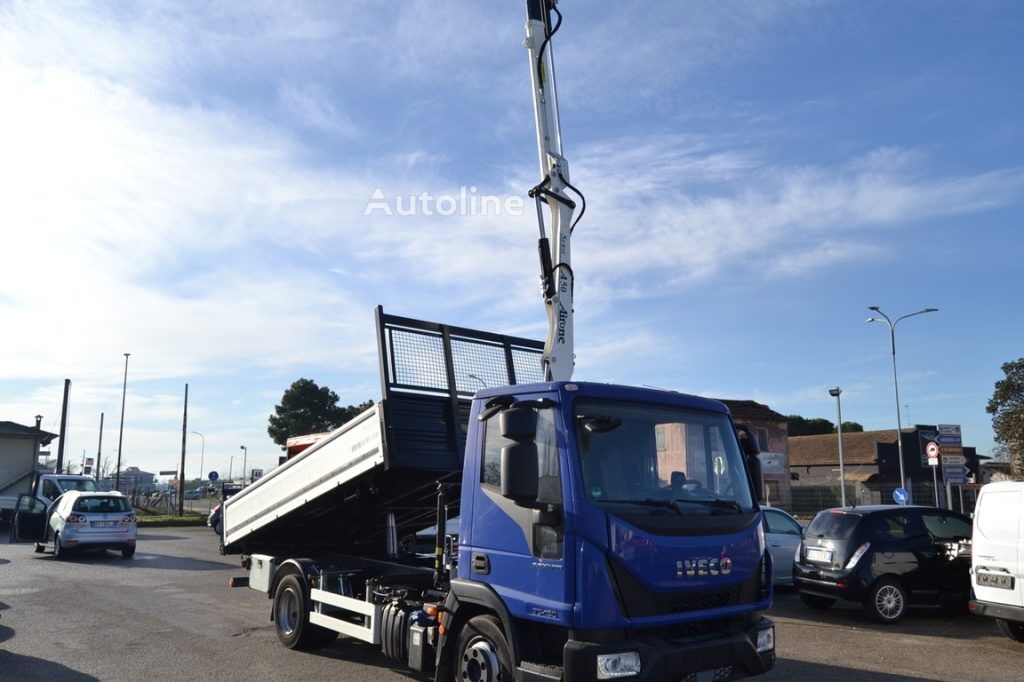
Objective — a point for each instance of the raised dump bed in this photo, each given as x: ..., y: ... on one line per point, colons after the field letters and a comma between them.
x: 338, y: 494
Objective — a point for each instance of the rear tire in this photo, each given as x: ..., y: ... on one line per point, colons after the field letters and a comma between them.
x: 816, y: 602
x: 128, y: 551
x: 1011, y: 629
x: 482, y: 654
x: 291, y: 617
x: 58, y: 549
x: 886, y: 602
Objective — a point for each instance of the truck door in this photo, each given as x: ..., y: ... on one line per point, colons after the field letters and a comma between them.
x: 520, y: 551
x: 996, y: 547
x: 29, y: 523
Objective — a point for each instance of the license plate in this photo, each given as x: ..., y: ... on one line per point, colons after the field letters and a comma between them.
x: 102, y: 524
x: 1000, y: 580
x: 819, y: 554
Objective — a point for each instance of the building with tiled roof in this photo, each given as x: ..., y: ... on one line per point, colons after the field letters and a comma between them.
x: 19, y: 455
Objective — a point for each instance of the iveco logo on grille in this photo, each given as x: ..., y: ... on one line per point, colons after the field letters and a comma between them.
x: 704, y: 566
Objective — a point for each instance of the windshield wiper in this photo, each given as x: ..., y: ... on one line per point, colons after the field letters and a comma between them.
x: 649, y: 502
x: 716, y: 503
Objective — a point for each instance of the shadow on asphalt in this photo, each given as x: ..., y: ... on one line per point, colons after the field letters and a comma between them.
x: 140, y: 560
x: 16, y: 667
x: 5, y: 634
x: 4, y: 561
x: 803, y: 670
x: 353, y: 651
x: 156, y: 538
x: 954, y: 623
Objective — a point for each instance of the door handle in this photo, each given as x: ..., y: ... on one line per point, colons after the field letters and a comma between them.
x: 776, y: 544
x: 481, y: 563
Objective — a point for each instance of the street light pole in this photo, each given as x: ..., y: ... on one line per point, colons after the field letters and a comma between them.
x: 202, y: 454
x: 895, y: 382
x: 835, y: 393
x: 120, y: 433
x: 245, y: 457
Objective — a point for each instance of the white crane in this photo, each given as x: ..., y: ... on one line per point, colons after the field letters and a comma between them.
x: 556, y: 269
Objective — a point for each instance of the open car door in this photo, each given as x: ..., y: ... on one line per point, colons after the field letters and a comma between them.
x: 29, y: 523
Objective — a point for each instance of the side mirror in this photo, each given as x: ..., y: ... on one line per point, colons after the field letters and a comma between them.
x: 518, y: 424
x: 520, y: 472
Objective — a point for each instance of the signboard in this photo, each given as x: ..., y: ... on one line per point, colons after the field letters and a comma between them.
x: 172, y: 472
x: 900, y: 496
x: 255, y: 474
x: 953, y: 461
x: 952, y: 450
x: 954, y: 471
x: 214, y: 476
x: 949, y: 430
x: 961, y: 480
x: 932, y: 450
x: 946, y: 439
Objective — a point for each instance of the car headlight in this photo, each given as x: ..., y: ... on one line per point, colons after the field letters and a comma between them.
x: 612, y: 666
x: 765, y: 640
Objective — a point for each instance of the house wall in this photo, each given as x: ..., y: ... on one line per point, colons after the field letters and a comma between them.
x: 17, y: 455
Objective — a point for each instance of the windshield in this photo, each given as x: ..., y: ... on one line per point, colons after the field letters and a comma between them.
x: 663, y: 458
x: 86, y: 485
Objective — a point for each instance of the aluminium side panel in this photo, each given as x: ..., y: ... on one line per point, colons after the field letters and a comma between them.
x: 349, y: 452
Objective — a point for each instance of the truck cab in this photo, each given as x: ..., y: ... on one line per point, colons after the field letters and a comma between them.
x: 48, y: 487
x: 610, y: 521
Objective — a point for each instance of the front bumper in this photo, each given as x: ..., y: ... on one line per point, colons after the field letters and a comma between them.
x: 720, y: 657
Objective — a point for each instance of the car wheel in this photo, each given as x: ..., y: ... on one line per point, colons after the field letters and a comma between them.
x: 482, y: 654
x: 1011, y: 629
x: 291, y: 616
x: 816, y: 602
x: 58, y: 549
x: 40, y: 548
x: 128, y: 551
x: 886, y: 601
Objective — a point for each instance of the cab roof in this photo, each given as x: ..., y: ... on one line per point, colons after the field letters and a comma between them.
x: 588, y: 389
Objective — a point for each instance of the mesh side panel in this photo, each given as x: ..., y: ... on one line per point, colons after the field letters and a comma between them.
x: 527, y: 365
x: 478, y: 365
x: 418, y: 359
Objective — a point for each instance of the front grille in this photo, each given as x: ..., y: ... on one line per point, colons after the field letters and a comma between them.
x: 701, y: 600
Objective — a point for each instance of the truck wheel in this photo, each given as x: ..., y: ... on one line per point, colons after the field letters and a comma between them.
x: 291, y: 617
x: 483, y: 653
x: 1011, y: 629
x: 816, y: 602
x: 886, y: 601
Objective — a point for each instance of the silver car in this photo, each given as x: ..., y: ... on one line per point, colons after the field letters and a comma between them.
x: 96, y: 520
x: 784, y: 535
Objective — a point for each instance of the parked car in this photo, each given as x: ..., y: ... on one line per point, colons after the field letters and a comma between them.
x: 997, y: 561
x: 887, y: 557
x: 784, y: 535
x: 213, y: 520
x: 77, y: 520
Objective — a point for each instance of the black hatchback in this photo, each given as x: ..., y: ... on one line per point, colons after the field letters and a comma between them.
x: 887, y: 557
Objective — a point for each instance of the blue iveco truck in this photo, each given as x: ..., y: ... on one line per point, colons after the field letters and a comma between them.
x: 604, y: 532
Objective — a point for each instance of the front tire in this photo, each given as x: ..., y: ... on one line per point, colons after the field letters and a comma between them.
x: 886, y: 602
x: 1011, y: 629
x: 816, y: 602
x: 291, y: 617
x: 482, y: 654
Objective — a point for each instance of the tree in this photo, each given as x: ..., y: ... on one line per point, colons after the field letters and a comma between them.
x: 1007, y: 410
x: 852, y: 427
x: 308, y: 408
x: 801, y: 426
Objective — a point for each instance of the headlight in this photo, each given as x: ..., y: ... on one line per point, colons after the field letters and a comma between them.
x: 765, y: 640
x: 611, y: 666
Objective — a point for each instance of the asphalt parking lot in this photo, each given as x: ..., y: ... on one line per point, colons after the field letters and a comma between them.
x: 168, y: 614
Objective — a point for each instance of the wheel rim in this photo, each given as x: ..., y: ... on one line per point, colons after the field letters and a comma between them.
x: 288, y: 612
x: 889, y: 602
x: 480, y: 662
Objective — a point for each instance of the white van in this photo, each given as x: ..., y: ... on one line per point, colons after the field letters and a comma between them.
x: 997, y: 561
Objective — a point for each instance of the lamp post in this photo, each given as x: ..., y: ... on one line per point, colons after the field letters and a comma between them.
x: 120, y: 433
x: 202, y: 454
x: 245, y: 457
x: 835, y: 393
x: 892, y: 340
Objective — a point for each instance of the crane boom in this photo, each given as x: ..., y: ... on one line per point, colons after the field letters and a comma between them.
x: 555, y: 254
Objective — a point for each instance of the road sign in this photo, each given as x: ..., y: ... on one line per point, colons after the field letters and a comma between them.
x: 173, y: 472
x: 932, y: 450
x: 954, y: 472
x: 214, y: 475
x: 953, y: 461
x: 255, y: 474
x: 947, y: 439
x: 952, y: 450
x: 949, y: 429
x: 955, y: 481
x: 900, y: 496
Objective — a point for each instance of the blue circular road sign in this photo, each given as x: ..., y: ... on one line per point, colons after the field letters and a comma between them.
x: 900, y: 496
x: 214, y: 475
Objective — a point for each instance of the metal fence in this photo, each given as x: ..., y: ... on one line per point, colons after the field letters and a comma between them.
x: 808, y: 500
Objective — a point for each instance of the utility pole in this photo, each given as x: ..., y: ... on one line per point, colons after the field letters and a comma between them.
x: 120, y: 435
x: 245, y: 458
x: 99, y: 450
x: 184, y: 434
x: 63, y: 426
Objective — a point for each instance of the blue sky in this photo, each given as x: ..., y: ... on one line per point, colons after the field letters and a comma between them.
x: 187, y: 182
